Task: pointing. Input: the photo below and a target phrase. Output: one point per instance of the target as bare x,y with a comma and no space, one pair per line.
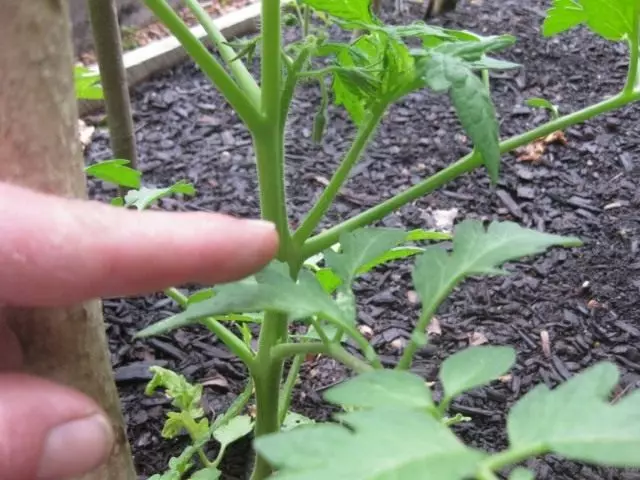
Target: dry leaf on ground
533,152
477,338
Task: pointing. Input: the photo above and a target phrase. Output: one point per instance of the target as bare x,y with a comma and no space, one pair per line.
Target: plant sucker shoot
310,282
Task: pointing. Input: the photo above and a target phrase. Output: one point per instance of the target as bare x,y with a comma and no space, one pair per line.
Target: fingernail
75,448
263,225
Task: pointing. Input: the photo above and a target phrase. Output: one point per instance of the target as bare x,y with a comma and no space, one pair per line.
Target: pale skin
57,252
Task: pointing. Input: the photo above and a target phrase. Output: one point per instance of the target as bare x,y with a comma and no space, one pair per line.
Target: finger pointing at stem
56,251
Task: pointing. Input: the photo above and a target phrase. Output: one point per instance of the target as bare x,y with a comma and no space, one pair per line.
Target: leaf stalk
325,201
466,164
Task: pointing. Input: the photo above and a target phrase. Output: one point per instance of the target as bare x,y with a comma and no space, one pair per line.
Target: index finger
56,251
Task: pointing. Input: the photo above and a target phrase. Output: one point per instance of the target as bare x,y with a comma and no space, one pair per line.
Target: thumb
49,432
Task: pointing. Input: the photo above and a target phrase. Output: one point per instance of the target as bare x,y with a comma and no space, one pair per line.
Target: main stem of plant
269,148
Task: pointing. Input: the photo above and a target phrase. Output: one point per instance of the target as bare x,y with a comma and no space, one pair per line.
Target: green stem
226,336
486,474
191,427
235,408
333,350
178,297
348,360
235,344
320,331
421,326
340,176
511,457
289,384
285,350
290,84
306,21
238,68
269,158
271,63
466,164
267,375
634,48
232,93
298,10
269,145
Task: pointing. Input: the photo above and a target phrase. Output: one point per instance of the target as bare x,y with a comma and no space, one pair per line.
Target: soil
584,300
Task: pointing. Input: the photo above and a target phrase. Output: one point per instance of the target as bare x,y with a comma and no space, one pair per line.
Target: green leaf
416,29
398,71
328,279
474,367
359,248
178,421
562,16
233,430
87,83
364,452
380,69
472,101
477,251
577,421
354,83
145,197
348,10
490,63
178,466
294,420
394,254
115,171
537,102
383,388
211,473
521,474
201,295
270,290
430,235
473,47
613,20
478,117
185,396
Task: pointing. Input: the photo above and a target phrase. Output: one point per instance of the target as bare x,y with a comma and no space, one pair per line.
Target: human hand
56,252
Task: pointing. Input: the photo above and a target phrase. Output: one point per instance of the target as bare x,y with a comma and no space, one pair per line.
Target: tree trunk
39,149
108,46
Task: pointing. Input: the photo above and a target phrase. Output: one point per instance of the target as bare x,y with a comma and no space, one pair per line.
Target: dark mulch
584,299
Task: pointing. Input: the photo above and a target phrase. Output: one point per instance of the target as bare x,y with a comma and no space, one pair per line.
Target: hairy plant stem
333,350
634,50
421,327
290,84
486,474
269,145
191,427
507,458
466,164
236,65
287,388
315,215
225,335
306,20
267,376
248,112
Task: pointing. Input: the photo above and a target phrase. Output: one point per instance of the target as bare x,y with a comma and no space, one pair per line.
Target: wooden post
39,149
